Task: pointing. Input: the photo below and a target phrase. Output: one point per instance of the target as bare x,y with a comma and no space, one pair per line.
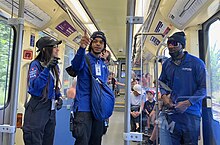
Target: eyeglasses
172,42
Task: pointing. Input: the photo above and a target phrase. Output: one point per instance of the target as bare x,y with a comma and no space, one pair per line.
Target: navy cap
46,42
178,37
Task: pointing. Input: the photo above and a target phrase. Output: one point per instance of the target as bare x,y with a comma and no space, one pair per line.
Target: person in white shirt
137,103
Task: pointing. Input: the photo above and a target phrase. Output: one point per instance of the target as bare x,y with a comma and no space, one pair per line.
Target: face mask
176,54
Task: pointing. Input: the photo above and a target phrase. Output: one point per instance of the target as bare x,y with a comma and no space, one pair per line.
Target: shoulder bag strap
89,65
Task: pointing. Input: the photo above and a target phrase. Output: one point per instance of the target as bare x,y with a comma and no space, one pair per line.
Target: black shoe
137,129
149,142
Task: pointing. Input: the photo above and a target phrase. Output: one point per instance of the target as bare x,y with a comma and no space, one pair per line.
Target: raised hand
85,41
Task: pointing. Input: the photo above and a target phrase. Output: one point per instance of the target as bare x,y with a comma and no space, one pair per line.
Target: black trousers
133,120
86,129
39,122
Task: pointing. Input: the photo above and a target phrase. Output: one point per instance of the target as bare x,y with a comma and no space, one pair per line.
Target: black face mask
176,54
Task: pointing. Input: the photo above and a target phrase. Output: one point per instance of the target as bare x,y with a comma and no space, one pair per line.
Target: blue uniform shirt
38,79
83,87
187,81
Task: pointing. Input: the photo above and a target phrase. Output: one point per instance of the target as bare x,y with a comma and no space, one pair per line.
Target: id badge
53,104
97,69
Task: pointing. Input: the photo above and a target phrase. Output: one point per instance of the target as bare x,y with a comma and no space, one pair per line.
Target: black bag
71,121
70,71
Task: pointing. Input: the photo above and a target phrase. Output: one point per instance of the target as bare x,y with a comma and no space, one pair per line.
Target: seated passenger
146,80
149,109
71,92
137,103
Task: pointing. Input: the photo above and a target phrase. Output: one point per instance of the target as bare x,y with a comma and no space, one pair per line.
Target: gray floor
114,135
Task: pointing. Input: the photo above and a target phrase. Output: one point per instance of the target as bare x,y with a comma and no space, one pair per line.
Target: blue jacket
83,87
39,77
187,81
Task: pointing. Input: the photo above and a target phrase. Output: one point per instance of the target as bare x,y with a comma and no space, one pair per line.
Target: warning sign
28,54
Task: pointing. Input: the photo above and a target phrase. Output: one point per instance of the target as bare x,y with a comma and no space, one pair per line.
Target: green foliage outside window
214,43
215,76
6,38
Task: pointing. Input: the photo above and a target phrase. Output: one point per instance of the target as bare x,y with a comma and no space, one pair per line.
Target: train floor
114,135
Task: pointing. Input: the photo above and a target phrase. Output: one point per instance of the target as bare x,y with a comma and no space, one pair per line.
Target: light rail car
137,33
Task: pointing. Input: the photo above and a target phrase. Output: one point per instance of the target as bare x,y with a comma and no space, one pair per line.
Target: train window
67,80
123,70
42,34
6,41
214,49
166,52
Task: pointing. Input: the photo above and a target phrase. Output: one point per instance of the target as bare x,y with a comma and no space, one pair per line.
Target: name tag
97,69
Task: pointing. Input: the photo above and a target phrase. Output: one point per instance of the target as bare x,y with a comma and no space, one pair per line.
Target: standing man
86,129
185,75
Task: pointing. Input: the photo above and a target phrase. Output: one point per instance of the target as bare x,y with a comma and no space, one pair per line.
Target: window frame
10,68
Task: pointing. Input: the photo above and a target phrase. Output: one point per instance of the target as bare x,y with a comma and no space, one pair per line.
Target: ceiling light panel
184,10
32,13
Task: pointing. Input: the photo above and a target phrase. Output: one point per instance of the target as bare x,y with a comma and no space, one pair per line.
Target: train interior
136,33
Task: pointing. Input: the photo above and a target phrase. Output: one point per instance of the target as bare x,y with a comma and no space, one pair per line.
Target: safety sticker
33,72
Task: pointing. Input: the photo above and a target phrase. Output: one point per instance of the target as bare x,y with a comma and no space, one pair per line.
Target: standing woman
43,86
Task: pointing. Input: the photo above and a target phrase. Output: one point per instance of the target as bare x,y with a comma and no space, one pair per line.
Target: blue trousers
180,129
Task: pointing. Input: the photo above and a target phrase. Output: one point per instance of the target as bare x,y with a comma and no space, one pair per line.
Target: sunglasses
55,46
172,42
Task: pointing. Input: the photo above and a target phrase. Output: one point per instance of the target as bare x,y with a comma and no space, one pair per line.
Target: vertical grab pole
155,71
129,38
16,70
156,78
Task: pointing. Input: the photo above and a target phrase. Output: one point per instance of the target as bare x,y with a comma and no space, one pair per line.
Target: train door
211,55
6,52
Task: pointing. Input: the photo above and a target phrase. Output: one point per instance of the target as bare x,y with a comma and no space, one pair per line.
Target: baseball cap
46,42
151,91
138,89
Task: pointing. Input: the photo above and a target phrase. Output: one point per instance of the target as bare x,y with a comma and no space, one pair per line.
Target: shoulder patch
33,72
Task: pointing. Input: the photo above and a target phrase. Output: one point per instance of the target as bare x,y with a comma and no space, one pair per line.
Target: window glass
67,79
6,44
166,52
214,72
123,70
